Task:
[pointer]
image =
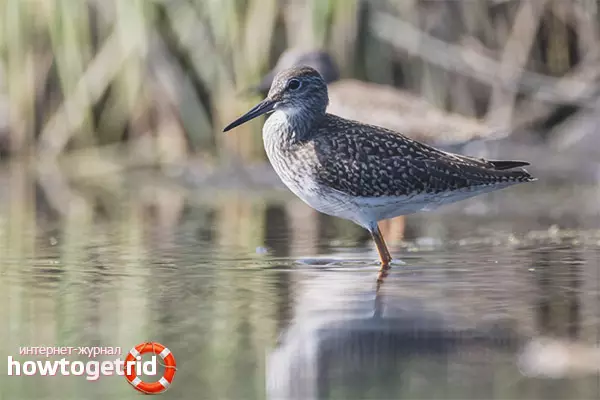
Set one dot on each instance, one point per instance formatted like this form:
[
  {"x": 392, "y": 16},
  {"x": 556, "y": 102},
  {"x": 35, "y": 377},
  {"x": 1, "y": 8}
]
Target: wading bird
[{"x": 360, "y": 172}]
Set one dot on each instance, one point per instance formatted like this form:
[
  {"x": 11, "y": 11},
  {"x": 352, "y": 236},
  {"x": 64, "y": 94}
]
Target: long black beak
[{"x": 261, "y": 108}]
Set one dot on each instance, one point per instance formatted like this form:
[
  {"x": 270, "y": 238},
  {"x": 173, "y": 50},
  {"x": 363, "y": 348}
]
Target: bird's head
[{"x": 298, "y": 92}]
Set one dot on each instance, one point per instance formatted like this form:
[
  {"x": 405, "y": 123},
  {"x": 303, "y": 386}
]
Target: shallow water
[{"x": 257, "y": 296}]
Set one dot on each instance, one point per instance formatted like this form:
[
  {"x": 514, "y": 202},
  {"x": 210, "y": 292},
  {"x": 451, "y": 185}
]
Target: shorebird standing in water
[{"x": 361, "y": 172}]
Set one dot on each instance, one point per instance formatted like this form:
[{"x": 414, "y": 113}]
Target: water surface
[{"x": 258, "y": 296}]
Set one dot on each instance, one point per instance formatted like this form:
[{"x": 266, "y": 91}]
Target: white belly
[{"x": 366, "y": 211}]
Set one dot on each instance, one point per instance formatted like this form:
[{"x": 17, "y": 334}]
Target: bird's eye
[{"x": 294, "y": 84}]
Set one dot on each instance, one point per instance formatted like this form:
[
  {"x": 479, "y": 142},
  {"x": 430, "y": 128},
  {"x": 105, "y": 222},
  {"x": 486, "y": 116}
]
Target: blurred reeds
[{"x": 162, "y": 77}]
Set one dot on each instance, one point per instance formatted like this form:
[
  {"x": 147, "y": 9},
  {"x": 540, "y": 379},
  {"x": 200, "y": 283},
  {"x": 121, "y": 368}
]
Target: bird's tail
[{"x": 502, "y": 165}]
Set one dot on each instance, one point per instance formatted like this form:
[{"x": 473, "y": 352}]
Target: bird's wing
[{"x": 376, "y": 162}]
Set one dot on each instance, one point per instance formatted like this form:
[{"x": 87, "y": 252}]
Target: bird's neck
[{"x": 290, "y": 126}]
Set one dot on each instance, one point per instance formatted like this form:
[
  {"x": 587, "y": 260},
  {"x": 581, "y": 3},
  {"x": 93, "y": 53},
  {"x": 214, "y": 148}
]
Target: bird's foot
[
  {"x": 385, "y": 265},
  {"x": 383, "y": 272}
]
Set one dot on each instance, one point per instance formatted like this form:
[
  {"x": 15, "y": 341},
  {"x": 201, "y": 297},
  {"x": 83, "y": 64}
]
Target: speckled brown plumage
[{"x": 368, "y": 161}]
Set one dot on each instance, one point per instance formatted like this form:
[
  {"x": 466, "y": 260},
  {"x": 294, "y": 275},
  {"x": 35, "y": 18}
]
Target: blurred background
[
  {"x": 115, "y": 172},
  {"x": 163, "y": 77}
]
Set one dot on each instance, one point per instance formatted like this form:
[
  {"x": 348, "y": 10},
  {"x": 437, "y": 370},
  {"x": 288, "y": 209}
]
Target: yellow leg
[{"x": 384, "y": 254}]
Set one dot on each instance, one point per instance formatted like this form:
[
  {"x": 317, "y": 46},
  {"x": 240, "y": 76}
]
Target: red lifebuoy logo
[{"x": 135, "y": 355}]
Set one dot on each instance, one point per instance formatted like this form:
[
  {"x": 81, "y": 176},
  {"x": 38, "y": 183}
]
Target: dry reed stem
[
  {"x": 467, "y": 61},
  {"x": 514, "y": 57},
  {"x": 100, "y": 73},
  {"x": 175, "y": 86},
  {"x": 585, "y": 20},
  {"x": 587, "y": 71},
  {"x": 194, "y": 37}
]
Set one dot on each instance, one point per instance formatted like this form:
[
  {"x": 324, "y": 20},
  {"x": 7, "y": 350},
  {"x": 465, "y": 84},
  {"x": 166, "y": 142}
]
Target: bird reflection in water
[{"x": 348, "y": 343}]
